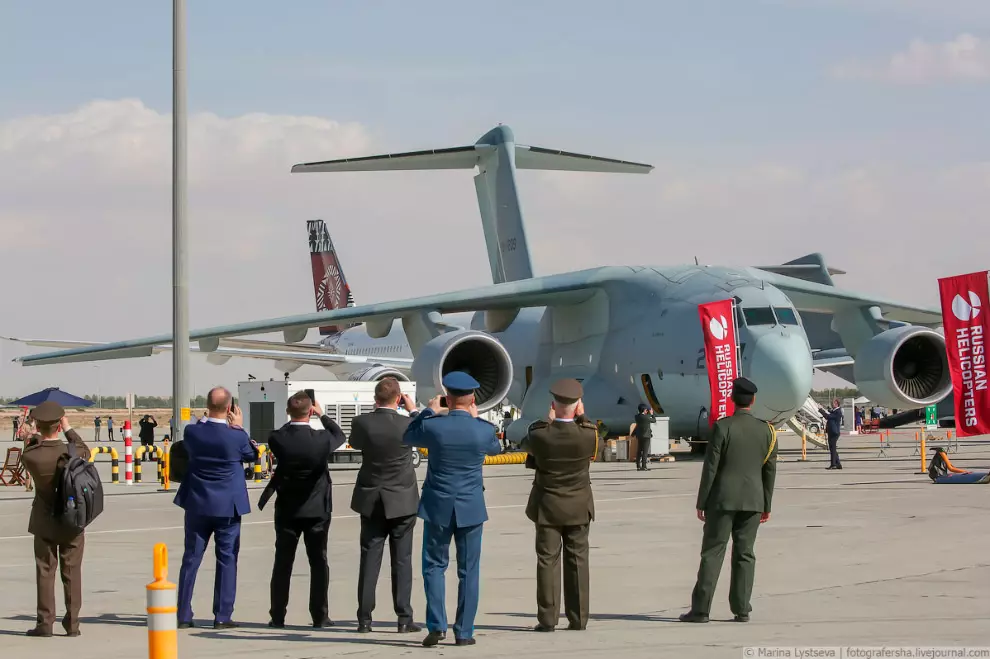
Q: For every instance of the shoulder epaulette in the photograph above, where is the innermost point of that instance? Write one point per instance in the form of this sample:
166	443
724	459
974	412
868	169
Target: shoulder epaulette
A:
539	425
584	423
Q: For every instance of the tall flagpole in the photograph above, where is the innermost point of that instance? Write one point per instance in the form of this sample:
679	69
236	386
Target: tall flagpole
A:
180	290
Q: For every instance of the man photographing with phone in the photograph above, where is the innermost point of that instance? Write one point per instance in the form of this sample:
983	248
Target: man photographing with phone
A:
304	503
452	504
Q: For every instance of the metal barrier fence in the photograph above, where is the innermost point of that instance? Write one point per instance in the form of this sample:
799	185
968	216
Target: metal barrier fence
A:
114	461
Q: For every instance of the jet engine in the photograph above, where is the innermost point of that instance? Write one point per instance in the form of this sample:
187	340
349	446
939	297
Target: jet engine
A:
904	368
479	354
376	373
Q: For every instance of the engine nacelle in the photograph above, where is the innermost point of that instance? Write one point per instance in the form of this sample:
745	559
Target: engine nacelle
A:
904	368
479	354
376	373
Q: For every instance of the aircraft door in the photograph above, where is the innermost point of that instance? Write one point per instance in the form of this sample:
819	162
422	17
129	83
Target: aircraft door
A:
651	395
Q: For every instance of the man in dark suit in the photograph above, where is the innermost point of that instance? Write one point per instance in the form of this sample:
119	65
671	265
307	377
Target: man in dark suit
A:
453	502
562	505
643	432
54	546
733	500
214	495
833	428
386	496
303	504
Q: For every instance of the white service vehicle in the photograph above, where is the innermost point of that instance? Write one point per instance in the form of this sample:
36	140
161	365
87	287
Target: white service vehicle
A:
264	402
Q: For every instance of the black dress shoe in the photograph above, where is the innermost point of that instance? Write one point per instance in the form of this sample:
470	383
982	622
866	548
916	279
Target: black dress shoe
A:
327	622
464	641
409	628
186	625
39	632
692	616
576	628
229	624
364	628
276	625
433	639
543	628
742	618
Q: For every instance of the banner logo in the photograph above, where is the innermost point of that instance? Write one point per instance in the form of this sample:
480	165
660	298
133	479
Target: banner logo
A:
966	331
720	357
966	310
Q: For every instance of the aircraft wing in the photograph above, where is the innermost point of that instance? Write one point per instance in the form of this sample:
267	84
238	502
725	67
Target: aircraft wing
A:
269	350
569	288
813	297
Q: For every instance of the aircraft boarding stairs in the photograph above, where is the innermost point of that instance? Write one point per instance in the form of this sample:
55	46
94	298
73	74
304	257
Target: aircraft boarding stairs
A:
809	421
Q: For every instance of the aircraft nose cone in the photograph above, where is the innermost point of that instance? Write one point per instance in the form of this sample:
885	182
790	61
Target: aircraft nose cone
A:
782	370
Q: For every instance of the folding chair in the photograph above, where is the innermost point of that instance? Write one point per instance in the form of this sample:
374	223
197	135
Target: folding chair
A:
13	472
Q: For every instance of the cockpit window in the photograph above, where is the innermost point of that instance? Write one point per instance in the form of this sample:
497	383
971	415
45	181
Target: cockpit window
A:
786	316
759	316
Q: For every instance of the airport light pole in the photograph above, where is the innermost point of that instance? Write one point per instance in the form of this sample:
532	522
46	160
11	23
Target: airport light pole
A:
180	290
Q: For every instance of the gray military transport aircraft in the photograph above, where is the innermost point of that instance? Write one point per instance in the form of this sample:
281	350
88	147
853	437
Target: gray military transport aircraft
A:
630	334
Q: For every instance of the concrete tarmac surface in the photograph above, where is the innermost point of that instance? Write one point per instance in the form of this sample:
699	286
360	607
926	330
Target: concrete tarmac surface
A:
871	555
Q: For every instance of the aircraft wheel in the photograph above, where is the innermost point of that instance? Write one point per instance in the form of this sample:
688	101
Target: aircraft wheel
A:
417	458
815	429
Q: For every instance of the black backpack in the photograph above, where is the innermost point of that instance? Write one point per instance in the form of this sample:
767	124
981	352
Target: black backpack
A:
78	493
178	462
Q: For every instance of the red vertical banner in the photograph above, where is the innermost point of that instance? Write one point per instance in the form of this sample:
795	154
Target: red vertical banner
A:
720	356
966	329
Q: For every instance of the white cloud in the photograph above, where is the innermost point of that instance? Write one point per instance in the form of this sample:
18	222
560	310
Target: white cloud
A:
85	226
966	59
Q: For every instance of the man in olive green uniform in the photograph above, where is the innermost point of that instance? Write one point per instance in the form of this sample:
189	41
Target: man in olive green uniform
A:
54	547
562	505
734	499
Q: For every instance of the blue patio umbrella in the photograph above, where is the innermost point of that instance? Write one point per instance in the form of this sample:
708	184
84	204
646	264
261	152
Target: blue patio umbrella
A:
53	394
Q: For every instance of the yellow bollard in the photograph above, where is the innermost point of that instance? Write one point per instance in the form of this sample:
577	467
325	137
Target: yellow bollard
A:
804	446
257	463
162	610
924	467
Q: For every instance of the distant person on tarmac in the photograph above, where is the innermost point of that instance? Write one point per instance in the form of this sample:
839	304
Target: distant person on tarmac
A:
147	431
833	427
97	422
110	427
17	424
643	432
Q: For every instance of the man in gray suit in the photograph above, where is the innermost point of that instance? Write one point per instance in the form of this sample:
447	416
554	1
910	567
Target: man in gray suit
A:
386	496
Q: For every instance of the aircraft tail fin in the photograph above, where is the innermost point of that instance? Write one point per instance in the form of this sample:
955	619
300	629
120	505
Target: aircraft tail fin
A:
497	157
329	283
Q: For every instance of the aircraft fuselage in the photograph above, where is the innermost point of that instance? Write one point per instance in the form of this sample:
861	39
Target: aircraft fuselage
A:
639	340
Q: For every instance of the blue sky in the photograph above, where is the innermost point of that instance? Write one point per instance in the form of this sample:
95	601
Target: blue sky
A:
793	125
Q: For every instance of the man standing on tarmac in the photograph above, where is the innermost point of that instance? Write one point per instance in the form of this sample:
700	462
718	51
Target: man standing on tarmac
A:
452	504
54	545
643	432
833	428
562	505
734	499
386	496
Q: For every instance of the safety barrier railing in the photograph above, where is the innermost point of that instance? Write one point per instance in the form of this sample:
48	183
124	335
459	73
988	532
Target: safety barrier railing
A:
156	454
114	461
514	458
163	609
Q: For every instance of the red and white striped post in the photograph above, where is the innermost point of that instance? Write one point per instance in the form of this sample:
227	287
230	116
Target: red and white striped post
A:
128	454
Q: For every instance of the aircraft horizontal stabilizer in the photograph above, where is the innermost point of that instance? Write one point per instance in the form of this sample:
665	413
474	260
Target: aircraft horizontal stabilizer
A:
467	157
809	268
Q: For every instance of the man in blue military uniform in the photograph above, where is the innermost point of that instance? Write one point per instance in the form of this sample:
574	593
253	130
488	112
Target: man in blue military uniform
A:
452	503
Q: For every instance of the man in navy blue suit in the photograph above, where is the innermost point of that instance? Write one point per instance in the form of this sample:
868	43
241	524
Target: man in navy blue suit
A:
214	495
452	504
